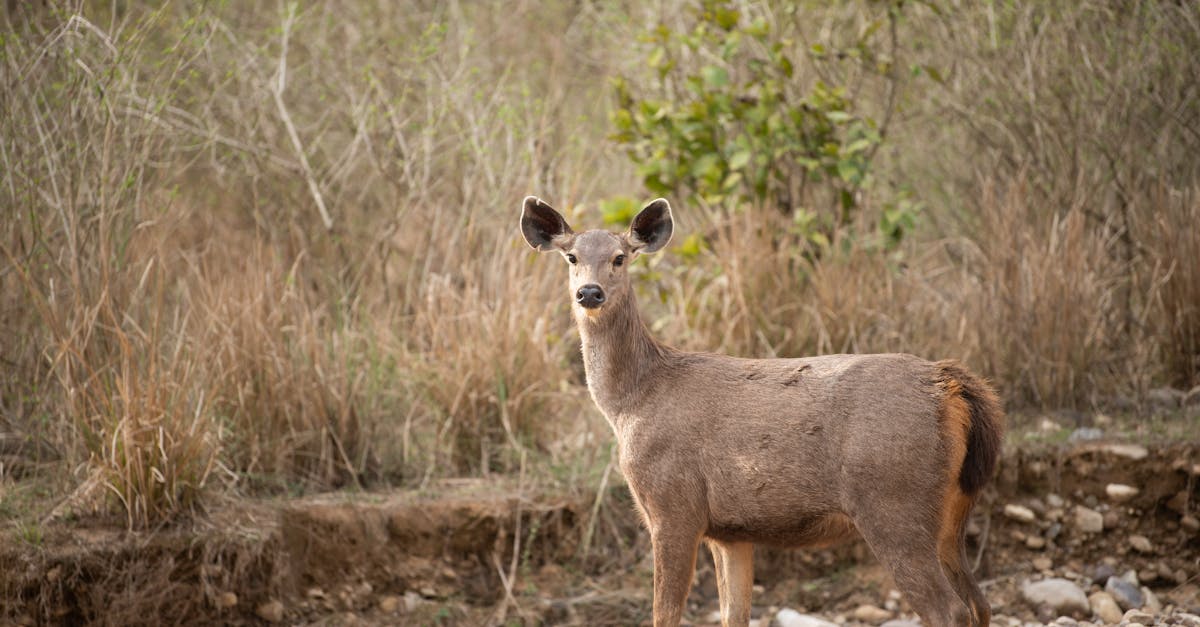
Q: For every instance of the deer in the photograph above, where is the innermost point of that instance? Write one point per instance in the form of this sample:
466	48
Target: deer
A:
788	452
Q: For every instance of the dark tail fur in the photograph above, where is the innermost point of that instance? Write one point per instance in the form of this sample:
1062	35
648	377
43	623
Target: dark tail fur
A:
986	431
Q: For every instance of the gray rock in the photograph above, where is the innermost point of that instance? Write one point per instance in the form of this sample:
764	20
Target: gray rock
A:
901	623
1054	500
1085	434
1102	573
1060	595
1124	593
1088	520
788	617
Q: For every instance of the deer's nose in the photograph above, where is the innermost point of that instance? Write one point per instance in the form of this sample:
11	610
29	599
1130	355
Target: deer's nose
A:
590	296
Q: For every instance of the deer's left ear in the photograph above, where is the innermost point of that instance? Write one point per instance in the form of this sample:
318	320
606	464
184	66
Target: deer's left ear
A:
651	228
543	227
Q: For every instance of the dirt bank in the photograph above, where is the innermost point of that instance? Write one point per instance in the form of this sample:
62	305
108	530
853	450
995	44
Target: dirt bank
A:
470	552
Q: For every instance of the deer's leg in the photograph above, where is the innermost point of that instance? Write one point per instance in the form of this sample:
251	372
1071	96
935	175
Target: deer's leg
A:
959	573
910	553
735	580
674	566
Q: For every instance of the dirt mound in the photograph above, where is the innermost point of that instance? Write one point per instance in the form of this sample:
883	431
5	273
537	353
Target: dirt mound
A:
470	552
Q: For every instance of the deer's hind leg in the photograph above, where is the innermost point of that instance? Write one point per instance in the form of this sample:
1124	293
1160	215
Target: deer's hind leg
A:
953	554
909	551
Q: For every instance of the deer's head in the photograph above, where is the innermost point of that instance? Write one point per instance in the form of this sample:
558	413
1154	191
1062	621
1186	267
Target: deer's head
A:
598	259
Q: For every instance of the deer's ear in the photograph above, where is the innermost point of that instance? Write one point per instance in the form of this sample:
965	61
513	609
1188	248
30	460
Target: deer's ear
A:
542	226
651	228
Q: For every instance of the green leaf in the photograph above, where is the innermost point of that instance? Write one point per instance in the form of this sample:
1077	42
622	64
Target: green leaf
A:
714	76
739	159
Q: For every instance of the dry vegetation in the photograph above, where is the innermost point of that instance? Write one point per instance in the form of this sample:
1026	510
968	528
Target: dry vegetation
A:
249	248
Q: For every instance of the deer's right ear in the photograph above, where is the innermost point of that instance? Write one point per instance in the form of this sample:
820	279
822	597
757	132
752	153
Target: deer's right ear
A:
542	226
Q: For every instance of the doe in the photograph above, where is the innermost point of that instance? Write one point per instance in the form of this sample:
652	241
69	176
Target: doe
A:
785	452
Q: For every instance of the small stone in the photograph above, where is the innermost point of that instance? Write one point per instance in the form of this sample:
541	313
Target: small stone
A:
1060	595
1105	608
389	603
1191	523
1054	500
1088	520
1111	519
1035	542
314	593
1138	616
1124	593
271	611
1188	619
1141	544
1134	452
1019	513
788	617
901	623
1085	434
1178	502
412	601
871	614
1151	603
226	600
1102	573
1043	563
1119	492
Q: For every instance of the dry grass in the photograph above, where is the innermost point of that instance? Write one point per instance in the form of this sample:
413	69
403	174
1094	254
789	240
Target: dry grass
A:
250	247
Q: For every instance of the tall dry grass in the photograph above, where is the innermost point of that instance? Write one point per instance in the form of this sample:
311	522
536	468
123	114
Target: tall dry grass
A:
251	247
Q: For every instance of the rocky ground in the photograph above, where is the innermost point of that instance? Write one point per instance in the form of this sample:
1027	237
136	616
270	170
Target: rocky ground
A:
1081	532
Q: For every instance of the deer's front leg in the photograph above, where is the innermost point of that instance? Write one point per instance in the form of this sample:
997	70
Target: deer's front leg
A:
674	565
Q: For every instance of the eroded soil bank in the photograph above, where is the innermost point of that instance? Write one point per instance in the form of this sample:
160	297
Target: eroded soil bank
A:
470	552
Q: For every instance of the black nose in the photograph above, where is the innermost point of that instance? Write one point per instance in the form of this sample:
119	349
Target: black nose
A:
590	296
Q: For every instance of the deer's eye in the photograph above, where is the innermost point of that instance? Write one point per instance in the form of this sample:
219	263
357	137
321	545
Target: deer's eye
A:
619	261
571	258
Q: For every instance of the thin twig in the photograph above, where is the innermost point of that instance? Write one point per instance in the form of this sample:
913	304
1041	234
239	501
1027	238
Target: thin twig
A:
277	92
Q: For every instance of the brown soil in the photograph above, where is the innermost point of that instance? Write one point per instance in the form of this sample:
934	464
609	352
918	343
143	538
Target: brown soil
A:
447	556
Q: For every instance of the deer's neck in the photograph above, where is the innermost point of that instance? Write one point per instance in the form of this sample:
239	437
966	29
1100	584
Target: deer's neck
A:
620	357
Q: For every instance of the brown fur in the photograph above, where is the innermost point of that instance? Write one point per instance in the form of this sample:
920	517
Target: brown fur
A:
789	452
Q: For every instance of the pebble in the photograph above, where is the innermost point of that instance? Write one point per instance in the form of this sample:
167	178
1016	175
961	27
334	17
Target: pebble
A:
901	623
788	617
1138	616
1054	500
1128	451
227	600
1124	593
1060	595
1043	563
871	614
1120	492
1036	543
1191	523
388	604
1019	513
271	611
1141	544
1088	520
1105	607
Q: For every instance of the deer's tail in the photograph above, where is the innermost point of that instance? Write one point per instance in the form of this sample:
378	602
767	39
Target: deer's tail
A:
984	423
